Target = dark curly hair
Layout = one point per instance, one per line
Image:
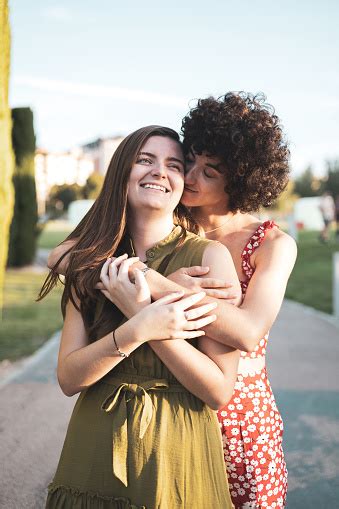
(244, 132)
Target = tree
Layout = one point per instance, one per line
(285, 202)
(92, 188)
(61, 196)
(331, 183)
(24, 229)
(307, 184)
(6, 154)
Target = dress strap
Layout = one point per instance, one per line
(252, 244)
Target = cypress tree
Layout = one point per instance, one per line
(6, 154)
(24, 231)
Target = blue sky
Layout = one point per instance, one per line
(91, 69)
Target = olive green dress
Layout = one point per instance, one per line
(137, 439)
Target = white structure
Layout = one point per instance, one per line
(336, 285)
(292, 227)
(51, 169)
(100, 152)
(77, 209)
(307, 213)
(71, 167)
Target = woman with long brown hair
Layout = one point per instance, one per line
(141, 435)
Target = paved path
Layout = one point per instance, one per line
(302, 361)
(303, 366)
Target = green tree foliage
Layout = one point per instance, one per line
(24, 229)
(61, 196)
(307, 184)
(331, 183)
(6, 154)
(93, 186)
(23, 137)
(285, 202)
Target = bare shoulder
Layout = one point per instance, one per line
(219, 260)
(217, 255)
(215, 248)
(278, 239)
(277, 244)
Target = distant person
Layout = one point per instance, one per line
(336, 203)
(328, 213)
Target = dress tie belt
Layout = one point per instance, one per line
(117, 402)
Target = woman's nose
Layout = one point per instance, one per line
(159, 170)
(189, 174)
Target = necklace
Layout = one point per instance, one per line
(223, 224)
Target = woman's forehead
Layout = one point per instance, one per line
(214, 159)
(163, 145)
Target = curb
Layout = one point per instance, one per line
(315, 312)
(32, 360)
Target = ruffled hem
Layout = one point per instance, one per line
(65, 497)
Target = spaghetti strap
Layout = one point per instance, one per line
(252, 244)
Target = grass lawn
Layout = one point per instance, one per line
(311, 279)
(27, 324)
(53, 233)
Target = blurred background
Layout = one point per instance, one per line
(77, 76)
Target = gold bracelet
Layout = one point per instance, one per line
(121, 354)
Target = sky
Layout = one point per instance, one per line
(91, 69)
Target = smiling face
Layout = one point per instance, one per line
(156, 180)
(204, 182)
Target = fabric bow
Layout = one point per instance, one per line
(117, 401)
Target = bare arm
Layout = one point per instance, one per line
(215, 287)
(242, 327)
(80, 363)
(246, 325)
(210, 372)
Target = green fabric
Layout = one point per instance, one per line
(118, 401)
(137, 439)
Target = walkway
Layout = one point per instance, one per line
(302, 361)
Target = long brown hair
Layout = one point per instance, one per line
(103, 233)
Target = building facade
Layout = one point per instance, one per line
(71, 167)
(52, 168)
(100, 152)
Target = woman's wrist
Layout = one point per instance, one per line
(121, 354)
(130, 333)
(137, 265)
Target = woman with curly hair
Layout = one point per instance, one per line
(237, 161)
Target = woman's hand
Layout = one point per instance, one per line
(117, 287)
(168, 318)
(191, 278)
(171, 317)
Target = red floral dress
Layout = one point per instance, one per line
(251, 424)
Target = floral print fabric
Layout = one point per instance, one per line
(251, 424)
